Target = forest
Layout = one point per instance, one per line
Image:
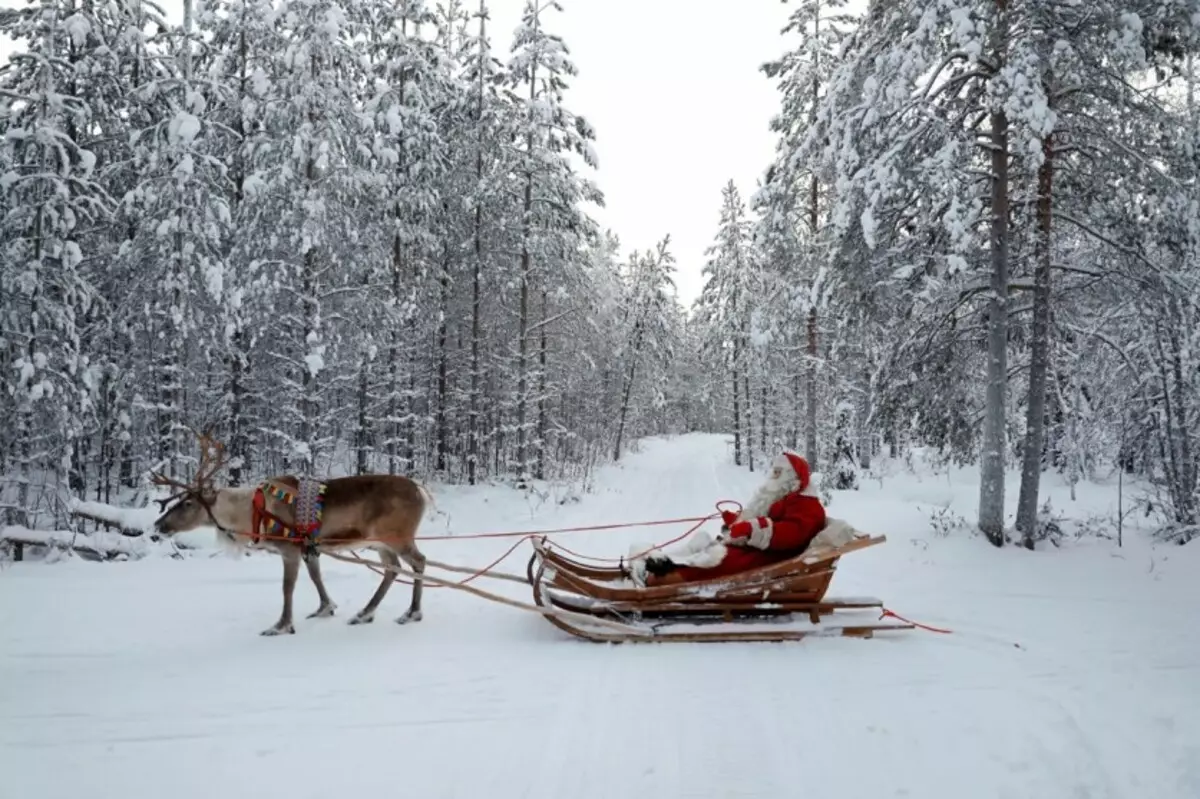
(354, 237)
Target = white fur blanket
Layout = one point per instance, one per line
(703, 551)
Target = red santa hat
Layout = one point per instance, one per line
(789, 473)
(797, 464)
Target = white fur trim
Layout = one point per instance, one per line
(700, 551)
(761, 530)
(637, 572)
(694, 544)
(836, 533)
(707, 558)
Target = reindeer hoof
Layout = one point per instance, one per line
(409, 615)
(361, 619)
(277, 630)
(323, 612)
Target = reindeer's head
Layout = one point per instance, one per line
(193, 502)
(191, 511)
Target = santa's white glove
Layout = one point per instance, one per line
(753, 533)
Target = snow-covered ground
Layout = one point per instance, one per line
(1071, 672)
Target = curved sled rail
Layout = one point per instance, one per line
(736, 606)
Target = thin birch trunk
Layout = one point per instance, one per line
(1039, 357)
(991, 482)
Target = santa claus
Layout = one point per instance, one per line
(780, 521)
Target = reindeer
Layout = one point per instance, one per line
(380, 512)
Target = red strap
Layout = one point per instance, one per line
(886, 613)
(256, 515)
(259, 516)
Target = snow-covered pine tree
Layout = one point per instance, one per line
(412, 86)
(553, 222)
(237, 66)
(897, 131)
(1158, 247)
(118, 49)
(1083, 60)
(970, 152)
(791, 203)
(648, 341)
(480, 144)
(50, 199)
(182, 212)
(313, 180)
(725, 305)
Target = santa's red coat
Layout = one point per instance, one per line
(789, 526)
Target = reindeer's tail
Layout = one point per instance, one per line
(425, 490)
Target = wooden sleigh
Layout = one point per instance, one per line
(785, 601)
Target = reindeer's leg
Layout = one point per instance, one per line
(313, 561)
(291, 570)
(391, 564)
(414, 558)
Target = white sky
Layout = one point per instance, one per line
(679, 106)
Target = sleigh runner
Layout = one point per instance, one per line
(785, 601)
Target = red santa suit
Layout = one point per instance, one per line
(779, 522)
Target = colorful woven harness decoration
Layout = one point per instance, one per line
(308, 508)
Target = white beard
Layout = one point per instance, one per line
(771, 491)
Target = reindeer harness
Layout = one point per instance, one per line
(308, 508)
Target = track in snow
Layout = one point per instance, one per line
(1070, 674)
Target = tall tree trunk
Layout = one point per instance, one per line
(866, 441)
(526, 268)
(477, 265)
(811, 451)
(308, 291)
(1177, 402)
(362, 433)
(749, 419)
(523, 342)
(991, 482)
(737, 420)
(362, 437)
(473, 400)
(737, 379)
(308, 402)
(762, 427)
(237, 360)
(410, 400)
(397, 353)
(627, 388)
(441, 431)
(541, 403)
(237, 364)
(793, 440)
(1039, 356)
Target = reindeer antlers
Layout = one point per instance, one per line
(209, 465)
(208, 468)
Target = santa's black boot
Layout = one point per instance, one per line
(660, 565)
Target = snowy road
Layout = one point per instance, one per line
(1071, 673)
